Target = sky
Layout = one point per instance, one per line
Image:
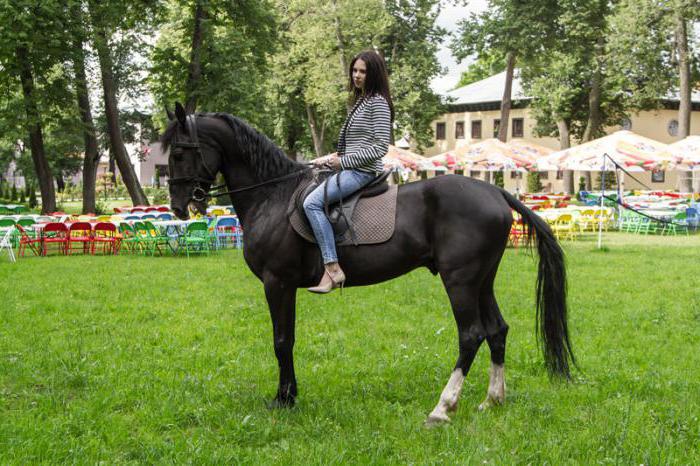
(448, 18)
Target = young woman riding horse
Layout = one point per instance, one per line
(454, 225)
(364, 140)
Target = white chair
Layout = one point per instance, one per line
(6, 243)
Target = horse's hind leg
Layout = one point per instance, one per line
(496, 333)
(464, 298)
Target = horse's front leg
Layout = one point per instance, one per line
(281, 298)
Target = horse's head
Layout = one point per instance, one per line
(193, 162)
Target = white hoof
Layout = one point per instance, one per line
(435, 420)
(490, 402)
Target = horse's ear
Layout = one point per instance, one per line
(171, 115)
(180, 113)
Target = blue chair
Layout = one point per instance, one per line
(148, 217)
(132, 217)
(165, 216)
(228, 230)
(691, 218)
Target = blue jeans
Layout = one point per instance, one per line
(350, 181)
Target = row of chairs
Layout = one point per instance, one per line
(680, 223)
(64, 239)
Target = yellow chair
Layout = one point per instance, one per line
(104, 218)
(564, 227)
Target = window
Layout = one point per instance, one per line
(161, 170)
(518, 127)
(626, 124)
(459, 130)
(496, 127)
(476, 129)
(459, 171)
(544, 175)
(673, 127)
(560, 174)
(474, 174)
(440, 131)
(658, 176)
(514, 175)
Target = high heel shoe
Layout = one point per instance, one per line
(330, 281)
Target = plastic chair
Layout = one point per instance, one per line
(196, 239)
(165, 216)
(54, 233)
(81, 233)
(227, 230)
(105, 234)
(163, 208)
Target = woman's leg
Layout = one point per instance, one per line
(349, 182)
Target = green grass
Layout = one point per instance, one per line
(170, 360)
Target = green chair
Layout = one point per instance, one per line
(678, 225)
(150, 237)
(196, 239)
(130, 241)
(158, 237)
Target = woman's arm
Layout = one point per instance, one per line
(380, 121)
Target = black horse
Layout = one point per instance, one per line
(455, 226)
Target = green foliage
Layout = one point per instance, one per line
(13, 193)
(498, 179)
(161, 196)
(490, 63)
(534, 185)
(581, 183)
(32, 199)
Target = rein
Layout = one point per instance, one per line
(199, 194)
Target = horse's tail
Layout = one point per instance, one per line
(553, 331)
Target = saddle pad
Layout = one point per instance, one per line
(374, 219)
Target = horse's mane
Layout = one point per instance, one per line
(257, 150)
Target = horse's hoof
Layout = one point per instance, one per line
(280, 403)
(490, 402)
(435, 420)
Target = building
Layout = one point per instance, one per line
(474, 114)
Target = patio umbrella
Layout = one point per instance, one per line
(685, 152)
(627, 149)
(494, 155)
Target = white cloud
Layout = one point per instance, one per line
(449, 16)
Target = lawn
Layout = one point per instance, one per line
(170, 360)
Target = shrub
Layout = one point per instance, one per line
(498, 179)
(533, 182)
(160, 196)
(32, 199)
(13, 193)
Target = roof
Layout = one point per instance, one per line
(487, 94)
(487, 91)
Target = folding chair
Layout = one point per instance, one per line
(25, 240)
(6, 243)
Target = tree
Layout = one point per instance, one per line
(106, 17)
(30, 58)
(483, 67)
(507, 28)
(410, 46)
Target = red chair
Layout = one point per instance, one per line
(105, 234)
(26, 240)
(163, 208)
(80, 232)
(151, 209)
(54, 233)
(137, 208)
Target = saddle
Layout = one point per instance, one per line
(365, 217)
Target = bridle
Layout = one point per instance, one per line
(199, 193)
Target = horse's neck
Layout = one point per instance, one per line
(269, 201)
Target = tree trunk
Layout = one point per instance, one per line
(595, 118)
(112, 114)
(92, 155)
(316, 132)
(506, 101)
(195, 69)
(60, 183)
(36, 138)
(684, 110)
(339, 37)
(565, 143)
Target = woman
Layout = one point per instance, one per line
(363, 141)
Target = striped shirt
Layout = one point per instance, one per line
(365, 136)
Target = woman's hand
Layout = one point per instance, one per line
(333, 162)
